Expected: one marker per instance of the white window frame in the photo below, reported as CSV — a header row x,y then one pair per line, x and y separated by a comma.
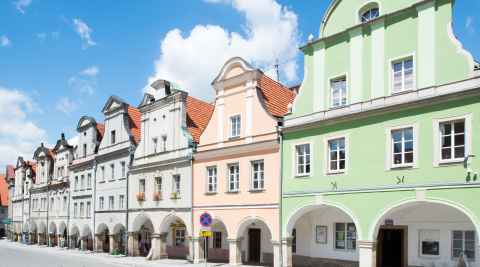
x,y
334,227
261,180
463,244
392,73
177,185
88,209
389,145
236,180
121,200
140,189
327,140
231,133
437,143
420,240
123,165
158,184
111,202
212,180
331,81
295,160
89,180
101,203
112,170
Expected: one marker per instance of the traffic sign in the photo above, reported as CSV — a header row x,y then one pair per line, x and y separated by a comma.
x,y
206,233
206,219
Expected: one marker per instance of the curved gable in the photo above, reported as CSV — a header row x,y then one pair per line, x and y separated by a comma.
x,y
344,14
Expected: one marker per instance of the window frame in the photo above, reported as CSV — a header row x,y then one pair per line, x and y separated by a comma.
x,y
177,185
209,182
463,244
389,145
420,241
158,185
236,181
334,79
253,172
437,149
345,236
140,182
113,137
328,170
402,59
231,117
295,160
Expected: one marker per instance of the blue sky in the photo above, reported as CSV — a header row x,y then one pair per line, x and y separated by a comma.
x,y
60,60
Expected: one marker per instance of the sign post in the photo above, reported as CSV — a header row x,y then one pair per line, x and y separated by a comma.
x,y
205,232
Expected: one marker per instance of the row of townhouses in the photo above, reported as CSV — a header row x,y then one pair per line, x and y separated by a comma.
x,y
372,163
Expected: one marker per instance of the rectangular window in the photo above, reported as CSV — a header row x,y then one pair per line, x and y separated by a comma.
x,y
155,145
102,173
84,150
429,242
336,155
82,182
76,183
82,209
235,126
124,170
164,143
217,240
463,242
65,206
121,200
176,184
339,92
75,210
179,237
158,184
89,209
233,177
452,142
112,171
294,240
258,175
402,147
89,180
302,159
141,185
403,76
212,179
101,203
345,236
111,202
113,137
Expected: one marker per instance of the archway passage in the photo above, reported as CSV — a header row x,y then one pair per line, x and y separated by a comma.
x,y
106,241
42,234
119,240
86,238
322,235
103,238
33,233
53,238
145,239
63,235
255,242
218,250
425,234
176,239
74,238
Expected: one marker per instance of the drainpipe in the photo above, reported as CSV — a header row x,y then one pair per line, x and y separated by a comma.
x,y
94,194
68,213
280,136
47,235
131,155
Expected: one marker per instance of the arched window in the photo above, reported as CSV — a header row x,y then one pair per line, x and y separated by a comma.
x,y
369,12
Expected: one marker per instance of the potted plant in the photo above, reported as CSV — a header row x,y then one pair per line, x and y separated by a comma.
x,y
141,196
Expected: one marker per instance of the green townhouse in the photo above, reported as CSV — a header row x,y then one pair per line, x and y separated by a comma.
x,y
378,152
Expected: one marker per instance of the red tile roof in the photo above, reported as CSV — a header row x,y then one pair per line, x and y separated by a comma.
x,y
198,116
100,130
3,191
277,96
135,119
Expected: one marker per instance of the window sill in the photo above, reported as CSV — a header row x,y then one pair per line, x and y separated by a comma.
x,y
336,172
120,179
306,175
210,193
401,167
101,182
450,162
401,92
233,192
257,190
231,138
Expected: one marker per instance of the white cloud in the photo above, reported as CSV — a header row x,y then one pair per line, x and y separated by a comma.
x,y
19,136
66,105
84,32
21,5
470,25
193,61
4,41
43,36
90,71
85,81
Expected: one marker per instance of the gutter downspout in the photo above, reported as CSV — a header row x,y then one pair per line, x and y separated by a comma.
x,y
131,155
68,213
94,194
281,196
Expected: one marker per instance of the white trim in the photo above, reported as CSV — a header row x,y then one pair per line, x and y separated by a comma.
x,y
391,74
460,49
389,146
208,179
468,118
294,161
347,85
230,125
365,4
252,162
326,141
228,177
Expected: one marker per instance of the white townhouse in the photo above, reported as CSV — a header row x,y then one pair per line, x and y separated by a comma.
x,y
24,178
122,134
160,181
82,179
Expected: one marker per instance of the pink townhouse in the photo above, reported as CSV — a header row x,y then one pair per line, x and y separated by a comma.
x,y
236,168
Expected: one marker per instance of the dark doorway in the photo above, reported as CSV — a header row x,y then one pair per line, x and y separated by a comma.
x,y
254,245
391,247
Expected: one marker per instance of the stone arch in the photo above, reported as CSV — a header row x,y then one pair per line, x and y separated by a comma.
x,y
101,228
172,218
74,230
117,228
245,222
287,230
42,228
62,227
374,227
142,220
52,228
33,227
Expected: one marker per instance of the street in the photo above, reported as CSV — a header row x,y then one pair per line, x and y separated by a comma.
x,y
19,255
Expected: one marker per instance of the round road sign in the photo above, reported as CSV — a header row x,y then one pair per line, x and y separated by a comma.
x,y
206,219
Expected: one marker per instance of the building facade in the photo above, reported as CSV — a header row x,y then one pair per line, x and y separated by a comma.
x,y
378,166
160,181
115,153
24,179
3,205
237,167
10,180
82,181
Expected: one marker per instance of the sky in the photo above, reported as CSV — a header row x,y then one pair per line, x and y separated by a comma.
x,y
60,60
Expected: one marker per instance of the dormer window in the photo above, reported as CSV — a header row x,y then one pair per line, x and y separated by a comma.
x,y
369,12
113,137
235,126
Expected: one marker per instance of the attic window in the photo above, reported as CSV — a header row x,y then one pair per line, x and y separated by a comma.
x,y
369,12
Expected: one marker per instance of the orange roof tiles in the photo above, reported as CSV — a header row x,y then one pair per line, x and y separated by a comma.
x,y
101,131
135,118
3,191
198,116
277,96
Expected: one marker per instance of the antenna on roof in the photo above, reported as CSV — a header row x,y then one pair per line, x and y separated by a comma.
x,y
277,70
